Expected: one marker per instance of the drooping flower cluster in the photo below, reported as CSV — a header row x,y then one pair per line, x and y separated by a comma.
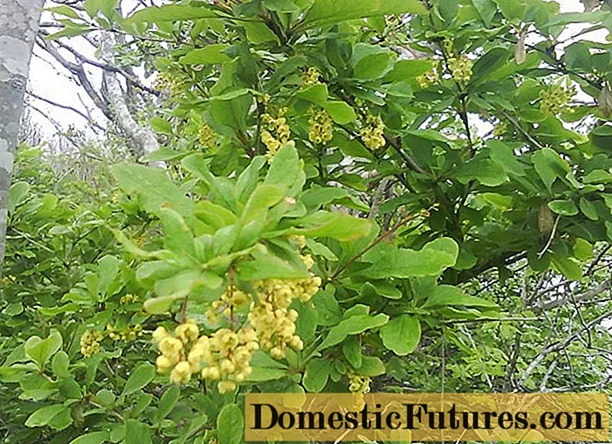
x,y
429,78
207,136
171,84
321,126
128,299
231,299
128,334
226,355
460,68
90,342
271,317
311,76
555,98
372,132
358,383
175,351
276,132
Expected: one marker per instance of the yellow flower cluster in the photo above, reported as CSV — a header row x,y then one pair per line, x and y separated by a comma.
x,y
128,299
207,136
358,383
321,126
372,132
271,317
311,76
227,356
174,351
166,82
461,68
129,334
276,132
429,78
555,98
230,300
90,342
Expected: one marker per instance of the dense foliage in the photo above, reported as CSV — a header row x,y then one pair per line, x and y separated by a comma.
x,y
358,195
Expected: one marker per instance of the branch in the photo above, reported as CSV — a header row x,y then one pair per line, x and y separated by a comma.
x,y
67,107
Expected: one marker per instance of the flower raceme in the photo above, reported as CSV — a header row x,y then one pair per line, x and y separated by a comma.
x,y
276,132
321,126
372,132
225,355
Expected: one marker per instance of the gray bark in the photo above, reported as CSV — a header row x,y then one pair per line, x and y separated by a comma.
x,y
19,20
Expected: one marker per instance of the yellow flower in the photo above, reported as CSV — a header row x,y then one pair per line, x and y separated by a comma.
x,y
181,373
311,76
187,332
276,131
372,132
90,342
556,98
207,136
321,126
460,68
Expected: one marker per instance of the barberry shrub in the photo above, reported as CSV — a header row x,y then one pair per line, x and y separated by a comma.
x,y
348,184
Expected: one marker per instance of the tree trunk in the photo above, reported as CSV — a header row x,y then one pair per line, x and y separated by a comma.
x,y
19,21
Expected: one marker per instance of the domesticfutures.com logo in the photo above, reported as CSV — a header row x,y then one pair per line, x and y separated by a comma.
x,y
413,417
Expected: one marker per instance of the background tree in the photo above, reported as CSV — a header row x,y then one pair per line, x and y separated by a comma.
x,y
19,25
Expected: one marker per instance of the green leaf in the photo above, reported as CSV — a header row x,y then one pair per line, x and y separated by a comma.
x,y
265,368
170,13
371,366
485,171
316,375
588,209
91,438
402,334
371,62
263,198
44,415
162,126
268,266
154,187
351,348
335,225
602,136
17,193
140,377
549,166
340,112
167,401
137,432
327,12
209,55
60,364
563,207
177,235
431,260
160,305
285,167
352,326
40,350
448,295
316,94
230,425
568,266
